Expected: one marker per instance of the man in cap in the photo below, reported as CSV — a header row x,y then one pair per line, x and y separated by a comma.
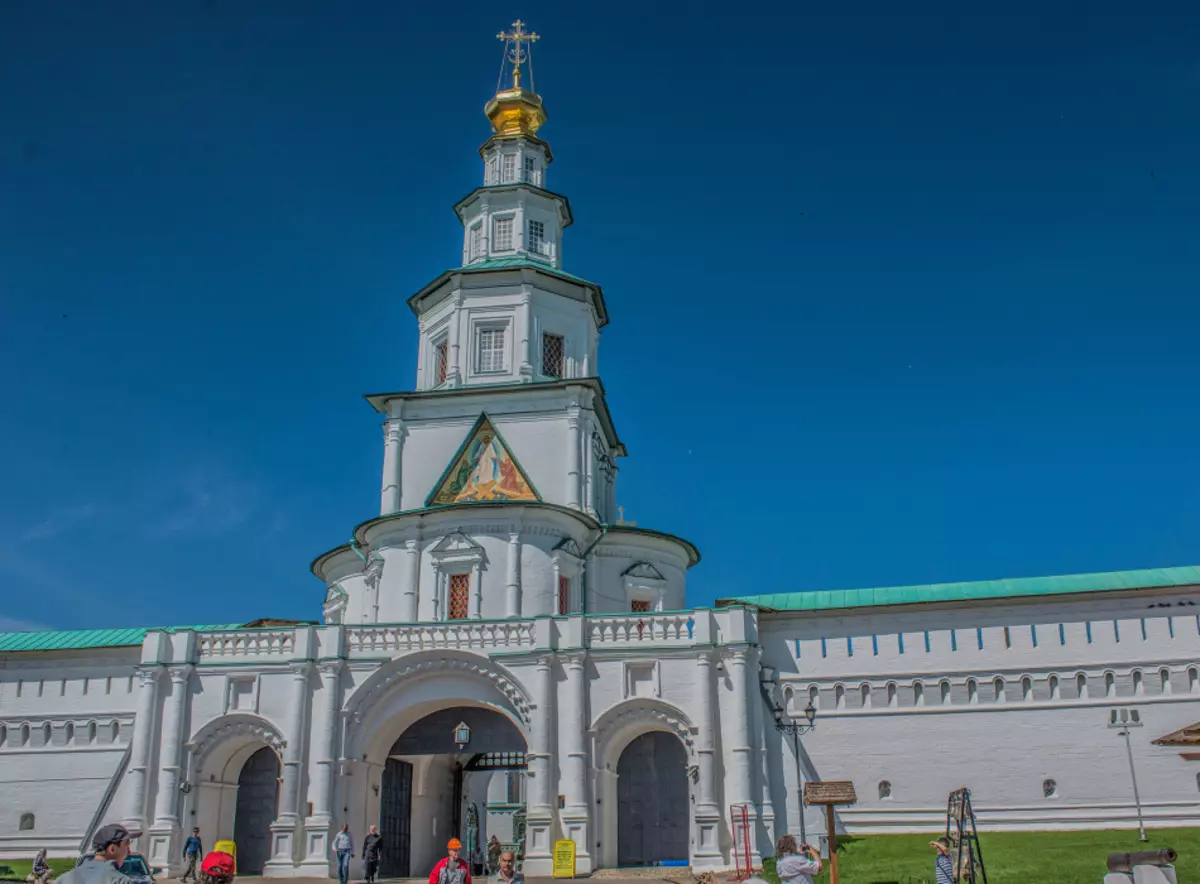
x,y
451,869
110,846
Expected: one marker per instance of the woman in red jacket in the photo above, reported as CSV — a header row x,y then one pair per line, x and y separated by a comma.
x,y
451,870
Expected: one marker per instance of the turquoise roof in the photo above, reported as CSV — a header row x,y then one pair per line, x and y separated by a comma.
x,y
70,639
522,261
823,600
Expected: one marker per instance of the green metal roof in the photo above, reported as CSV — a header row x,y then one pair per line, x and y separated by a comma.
x,y
72,639
521,261
822,600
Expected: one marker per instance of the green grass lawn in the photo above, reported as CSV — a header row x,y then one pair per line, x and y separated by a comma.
x,y
1008,857
22,867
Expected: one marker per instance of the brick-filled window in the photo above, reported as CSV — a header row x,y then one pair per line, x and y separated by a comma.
x,y
460,593
441,362
552,356
639,606
564,595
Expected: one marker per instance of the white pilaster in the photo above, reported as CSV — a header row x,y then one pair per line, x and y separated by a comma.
x,y
393,445
512,583
144,727
166,804
574,759
574,457
413,583
456,373
707,849
741,754
476,591
589,492
318,826
283,830
539,831
524,333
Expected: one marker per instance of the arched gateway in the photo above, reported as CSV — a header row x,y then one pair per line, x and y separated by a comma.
x,y
652,801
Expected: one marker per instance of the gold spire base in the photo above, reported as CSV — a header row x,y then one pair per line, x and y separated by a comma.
x,y
515,112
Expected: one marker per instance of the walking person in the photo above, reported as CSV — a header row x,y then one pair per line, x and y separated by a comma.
x,y
40,873
943,866
493,853
796,865
110,847
343,846
451,869
507,873
372,852
192,851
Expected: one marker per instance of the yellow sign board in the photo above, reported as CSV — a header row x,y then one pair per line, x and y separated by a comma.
x,y
564,859
227,847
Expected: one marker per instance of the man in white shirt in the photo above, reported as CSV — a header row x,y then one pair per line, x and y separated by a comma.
x,y
796,865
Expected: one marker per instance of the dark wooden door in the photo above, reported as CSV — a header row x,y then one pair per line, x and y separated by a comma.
x,y
257,796
395,818
652,801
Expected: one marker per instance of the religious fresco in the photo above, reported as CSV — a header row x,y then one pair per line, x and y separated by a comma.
x,y
483,470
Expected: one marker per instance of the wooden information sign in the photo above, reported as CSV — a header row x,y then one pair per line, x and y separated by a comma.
x,y
564,859
830,794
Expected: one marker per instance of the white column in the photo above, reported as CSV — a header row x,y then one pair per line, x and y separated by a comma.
x,y
524,333
456,372
324,754
144,727
556,576
574,455
589,495
166,803
741,753
476,591
283,829
539,832
412,585
512,583
708,811
573,752
393,442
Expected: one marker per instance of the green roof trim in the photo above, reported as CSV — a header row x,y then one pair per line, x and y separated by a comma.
x,y
521,261
77,639
823,600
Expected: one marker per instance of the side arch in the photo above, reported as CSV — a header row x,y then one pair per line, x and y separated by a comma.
x,y
618,725
218,742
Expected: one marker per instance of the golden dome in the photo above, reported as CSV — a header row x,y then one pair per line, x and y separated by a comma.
x,y
515,112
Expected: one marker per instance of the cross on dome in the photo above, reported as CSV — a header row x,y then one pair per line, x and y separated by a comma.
x,y
516,53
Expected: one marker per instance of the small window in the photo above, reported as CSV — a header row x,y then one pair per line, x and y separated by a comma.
x,y
491,349
503,240
885,790
537,237
441,360
460,591
531,171
510,168
26,824
492,175
552,356
1049,788
476,242
639,606
564,595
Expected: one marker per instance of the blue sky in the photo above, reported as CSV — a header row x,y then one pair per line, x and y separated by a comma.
x,y
899,293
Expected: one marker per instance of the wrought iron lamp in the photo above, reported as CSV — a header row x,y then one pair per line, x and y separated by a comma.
x,y
792,728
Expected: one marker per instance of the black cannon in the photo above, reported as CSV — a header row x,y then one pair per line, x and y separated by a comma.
x,y
1124,862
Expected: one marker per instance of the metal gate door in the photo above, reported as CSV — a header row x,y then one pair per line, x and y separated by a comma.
x,y
257,795
395,818
652,801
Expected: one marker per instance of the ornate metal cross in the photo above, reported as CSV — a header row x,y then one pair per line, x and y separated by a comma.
x,y
518,55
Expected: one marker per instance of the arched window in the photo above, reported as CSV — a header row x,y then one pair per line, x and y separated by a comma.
x,y
91,737
1164,681
1027,689
972,691
25,735
1049,788
70,729
1081,686
115,728
999,685
814,695
945,688
918,694
839,697
1138,687
1054,694
1198,782
26,824
865,692
892,700
1110,685
885,790
46,734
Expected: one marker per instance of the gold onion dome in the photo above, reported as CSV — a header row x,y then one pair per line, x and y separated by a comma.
x,y
516,111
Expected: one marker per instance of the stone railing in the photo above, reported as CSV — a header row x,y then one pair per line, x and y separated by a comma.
x,y
465,634
246,643
648,628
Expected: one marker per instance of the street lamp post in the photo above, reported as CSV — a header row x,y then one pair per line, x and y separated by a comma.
x,y
1122,720
795,729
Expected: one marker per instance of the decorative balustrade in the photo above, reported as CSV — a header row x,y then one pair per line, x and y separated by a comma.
x,y
465,634
647,628
250,643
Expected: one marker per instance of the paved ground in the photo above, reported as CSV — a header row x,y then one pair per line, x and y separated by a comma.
x,y
642,879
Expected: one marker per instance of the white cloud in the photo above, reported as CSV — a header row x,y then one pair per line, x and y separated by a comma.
x,y
12,624
60,520
204,502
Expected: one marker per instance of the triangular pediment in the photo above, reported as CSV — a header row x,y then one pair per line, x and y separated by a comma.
x,y
456,543
483,469
571,548
643,571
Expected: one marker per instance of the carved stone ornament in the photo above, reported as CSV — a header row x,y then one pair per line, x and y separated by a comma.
x,y
243,728
656,716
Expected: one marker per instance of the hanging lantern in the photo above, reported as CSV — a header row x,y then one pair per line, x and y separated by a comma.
x,y
462,735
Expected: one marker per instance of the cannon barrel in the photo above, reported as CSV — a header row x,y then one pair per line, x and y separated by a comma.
x,y
1124,862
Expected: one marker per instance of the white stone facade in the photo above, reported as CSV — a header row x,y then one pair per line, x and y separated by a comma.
x,y
574,628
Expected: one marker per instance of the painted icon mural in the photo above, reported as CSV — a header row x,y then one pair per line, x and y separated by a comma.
x,y
483,470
